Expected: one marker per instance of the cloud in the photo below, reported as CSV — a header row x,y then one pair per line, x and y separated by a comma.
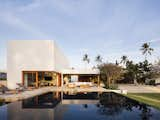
x,y
154,40
17,23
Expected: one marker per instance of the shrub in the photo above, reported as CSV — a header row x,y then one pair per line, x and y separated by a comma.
x,y
152,82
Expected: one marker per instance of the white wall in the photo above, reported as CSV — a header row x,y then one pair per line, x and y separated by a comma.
x,y
38,55
61,61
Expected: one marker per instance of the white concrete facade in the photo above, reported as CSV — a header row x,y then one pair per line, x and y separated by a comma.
x,y
32,55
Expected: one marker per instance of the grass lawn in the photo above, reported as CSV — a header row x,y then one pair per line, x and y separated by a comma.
x,y
152,99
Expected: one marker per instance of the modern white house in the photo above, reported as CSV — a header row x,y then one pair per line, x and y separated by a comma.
x,y
33,62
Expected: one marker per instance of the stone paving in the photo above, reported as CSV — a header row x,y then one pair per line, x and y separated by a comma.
x,y
123,88
35,92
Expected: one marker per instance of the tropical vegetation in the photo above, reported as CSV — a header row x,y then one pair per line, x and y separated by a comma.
x,y
127,71
152,99
109,74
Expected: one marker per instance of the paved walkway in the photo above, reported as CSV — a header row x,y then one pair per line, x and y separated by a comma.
x,y
35,92
139,88
23,95
130,89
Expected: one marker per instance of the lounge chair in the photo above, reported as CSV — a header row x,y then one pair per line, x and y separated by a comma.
x,y
5,89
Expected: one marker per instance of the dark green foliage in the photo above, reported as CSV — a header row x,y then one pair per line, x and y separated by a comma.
x,y
109,73
146,49
3,79
138,72
152,82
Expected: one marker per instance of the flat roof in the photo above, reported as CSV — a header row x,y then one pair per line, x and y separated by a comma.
x,y
80,71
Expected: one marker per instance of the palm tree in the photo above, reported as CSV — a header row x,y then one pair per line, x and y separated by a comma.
x,y
124,59
98,59
146,49
116,62
86,58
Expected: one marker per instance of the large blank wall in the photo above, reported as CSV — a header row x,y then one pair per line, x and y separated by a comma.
x,y
39,55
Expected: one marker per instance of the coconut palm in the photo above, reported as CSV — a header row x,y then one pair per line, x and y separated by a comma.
x,y
86,58
116,62
124,59
146,49
98,59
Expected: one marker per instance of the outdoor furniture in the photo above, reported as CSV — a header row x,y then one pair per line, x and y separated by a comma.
x,y
84,86
22,88
43,83
5,90
71,85
52,83
89,84
33,84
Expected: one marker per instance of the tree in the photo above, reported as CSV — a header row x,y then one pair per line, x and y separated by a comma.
x,y
98,59
116,62
109,73
145,70
124,59
132,71
86,58
146,49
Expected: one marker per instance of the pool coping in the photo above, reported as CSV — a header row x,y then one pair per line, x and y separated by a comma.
x,y
39,91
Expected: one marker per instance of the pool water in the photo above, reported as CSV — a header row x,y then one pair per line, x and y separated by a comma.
x,y
78,106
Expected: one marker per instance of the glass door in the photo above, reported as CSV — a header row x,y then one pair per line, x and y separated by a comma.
x,y
30,79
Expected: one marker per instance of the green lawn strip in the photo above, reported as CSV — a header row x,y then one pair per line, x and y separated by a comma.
x,y
154,96
145,98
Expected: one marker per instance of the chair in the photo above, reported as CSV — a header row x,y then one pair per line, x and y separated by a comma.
x,y
5,89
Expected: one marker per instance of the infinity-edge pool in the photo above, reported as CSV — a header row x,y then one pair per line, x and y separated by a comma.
x,y
79,106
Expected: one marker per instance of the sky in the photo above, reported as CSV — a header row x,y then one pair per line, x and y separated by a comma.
x,y
110,28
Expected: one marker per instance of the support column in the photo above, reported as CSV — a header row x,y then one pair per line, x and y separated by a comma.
x,y
36,79
98,80
62,80
22,78
57,79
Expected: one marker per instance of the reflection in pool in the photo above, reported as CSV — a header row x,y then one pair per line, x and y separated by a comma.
x,y
80,106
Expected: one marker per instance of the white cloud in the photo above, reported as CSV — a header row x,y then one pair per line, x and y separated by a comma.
x,y
16,22
154,40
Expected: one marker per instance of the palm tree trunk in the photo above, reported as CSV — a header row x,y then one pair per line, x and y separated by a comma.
x,y
145,56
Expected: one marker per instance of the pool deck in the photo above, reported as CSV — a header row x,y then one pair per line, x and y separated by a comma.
x,y
31,93
131,88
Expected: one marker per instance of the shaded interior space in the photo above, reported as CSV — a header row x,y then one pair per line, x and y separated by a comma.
x,y
81,79
49,100
40,78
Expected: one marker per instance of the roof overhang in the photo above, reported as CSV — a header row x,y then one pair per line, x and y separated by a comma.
x,y
80,71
